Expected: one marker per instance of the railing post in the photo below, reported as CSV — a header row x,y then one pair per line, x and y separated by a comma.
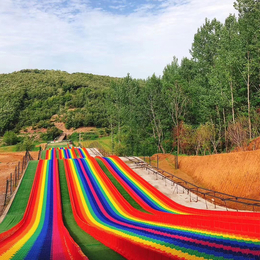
x,y
11,184
22,165
19,163
15,176
6,191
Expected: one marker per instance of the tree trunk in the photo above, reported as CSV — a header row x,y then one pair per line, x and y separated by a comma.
x,y
225,129
162,148
157,128
248,98
232,101
112,137
215,148
177,155
197,150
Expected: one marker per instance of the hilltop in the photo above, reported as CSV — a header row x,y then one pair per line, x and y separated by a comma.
x,y
32,97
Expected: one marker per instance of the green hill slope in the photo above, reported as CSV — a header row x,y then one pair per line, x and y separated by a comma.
x,y
32,97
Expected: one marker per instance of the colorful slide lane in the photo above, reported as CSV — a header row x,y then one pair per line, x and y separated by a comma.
x,y
148,196
71,153
100,210
41,233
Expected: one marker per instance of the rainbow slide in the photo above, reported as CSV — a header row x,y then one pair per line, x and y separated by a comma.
x,y
164,230
168,231
150,198
41,233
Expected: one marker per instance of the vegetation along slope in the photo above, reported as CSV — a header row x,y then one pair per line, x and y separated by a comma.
x,y
204,104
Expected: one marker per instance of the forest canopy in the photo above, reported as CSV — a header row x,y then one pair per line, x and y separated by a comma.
x,y
207,103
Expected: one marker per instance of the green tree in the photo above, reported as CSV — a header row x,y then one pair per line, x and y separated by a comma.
x,y
156,110
249,24
174,97
10,138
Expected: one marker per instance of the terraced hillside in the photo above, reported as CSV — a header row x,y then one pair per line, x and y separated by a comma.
x,y
112,213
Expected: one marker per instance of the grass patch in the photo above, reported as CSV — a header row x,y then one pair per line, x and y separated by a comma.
x,y
105,142
13,148
19,204
77,153
43,154
6,149
120,188
57,145
91,247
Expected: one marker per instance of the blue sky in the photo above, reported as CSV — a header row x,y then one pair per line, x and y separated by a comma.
x,y
101,37
124,7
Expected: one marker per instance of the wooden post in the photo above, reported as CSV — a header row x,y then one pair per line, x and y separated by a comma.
x,y
6,191
15,176
11,184
23,165
157,161
39,154
19,170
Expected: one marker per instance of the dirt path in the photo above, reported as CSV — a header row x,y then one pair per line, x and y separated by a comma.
x,y
66,131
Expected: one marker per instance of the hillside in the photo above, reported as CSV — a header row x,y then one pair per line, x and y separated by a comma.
x,y
32,97
233,173
208,103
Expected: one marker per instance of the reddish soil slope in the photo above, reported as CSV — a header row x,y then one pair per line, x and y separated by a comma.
x,y
62,127
234,173
252,146
8,162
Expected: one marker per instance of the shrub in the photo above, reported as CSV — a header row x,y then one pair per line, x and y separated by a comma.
x,y
51,134
10,138
44,124
120,149
90,136
74,137
27,144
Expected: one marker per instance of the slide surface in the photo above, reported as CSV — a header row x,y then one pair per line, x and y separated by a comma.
x,y
167,231
41,233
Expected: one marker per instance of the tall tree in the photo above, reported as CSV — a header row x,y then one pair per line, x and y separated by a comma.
x,y
204,52
155,105
174,97
249,24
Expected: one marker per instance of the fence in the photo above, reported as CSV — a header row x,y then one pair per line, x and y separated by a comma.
x,y
12,181
215,197
40,153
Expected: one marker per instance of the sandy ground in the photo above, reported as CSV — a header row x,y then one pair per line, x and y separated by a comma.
x,y
8,162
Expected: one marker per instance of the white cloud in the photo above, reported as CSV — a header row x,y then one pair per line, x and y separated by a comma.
x,y
74,37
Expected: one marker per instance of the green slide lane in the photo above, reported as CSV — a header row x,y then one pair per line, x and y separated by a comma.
x,y
91,247
77,153
43,154
120,188
17,209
